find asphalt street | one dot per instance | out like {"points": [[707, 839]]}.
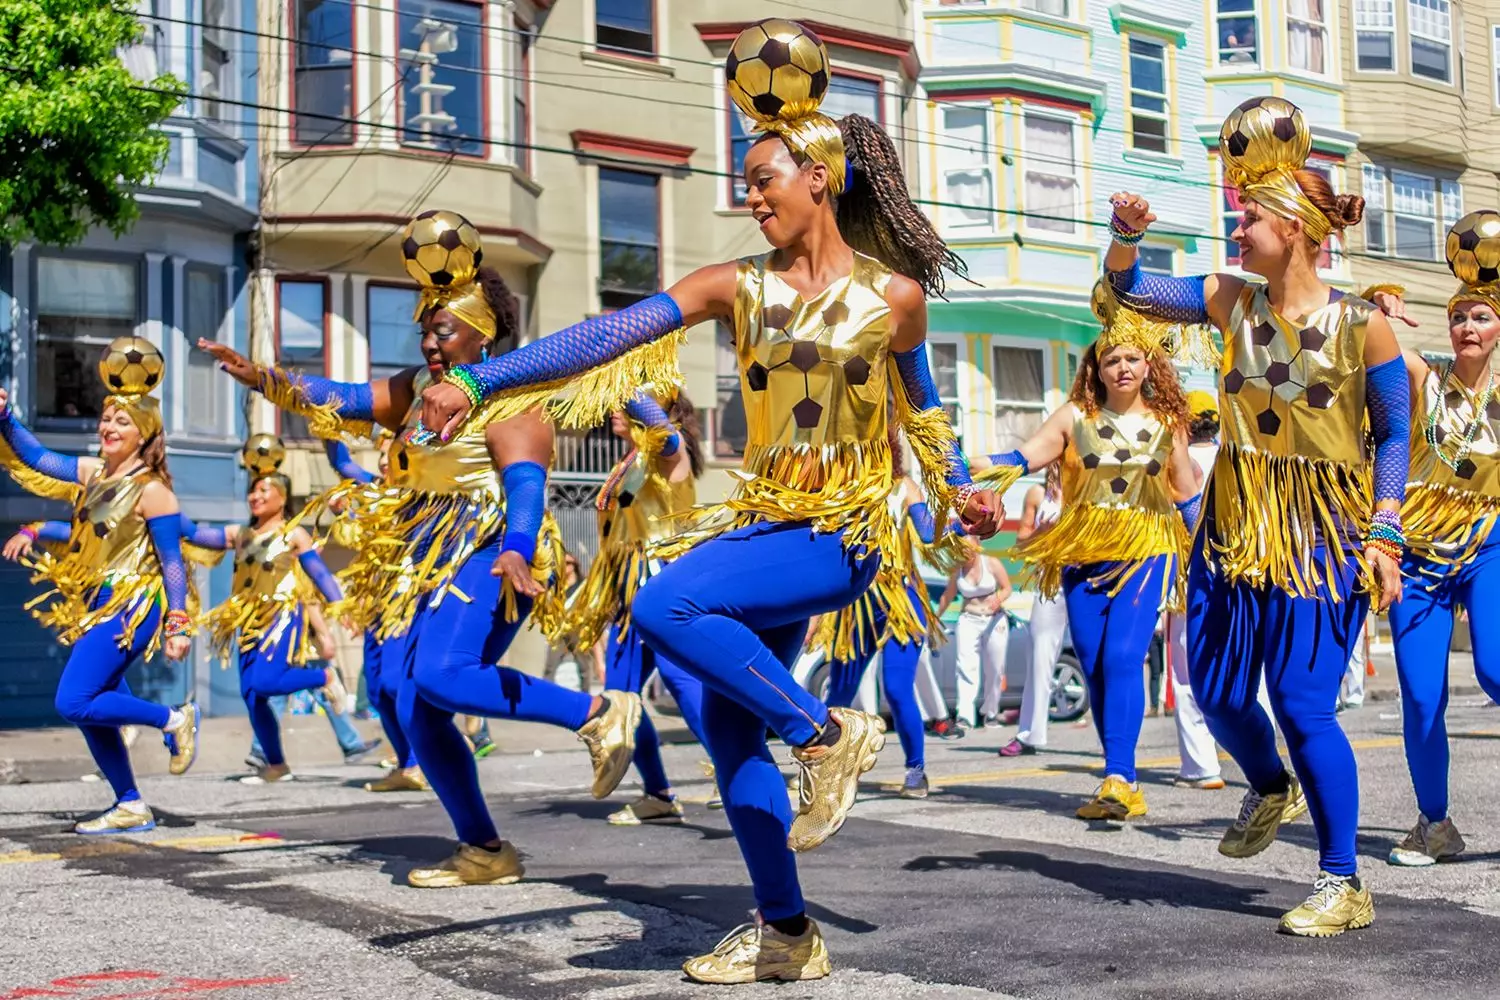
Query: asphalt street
{"points": [[988, 888]]}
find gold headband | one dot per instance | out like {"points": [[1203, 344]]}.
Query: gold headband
{"points": [[1261, 143], [466, 301], [142, 410], [816, 137], [1488, 294], [1124, 327]]}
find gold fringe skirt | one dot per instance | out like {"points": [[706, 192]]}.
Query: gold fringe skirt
{"points": [[1446, 526], [1125, 537], [255, 621], [79, 600]]}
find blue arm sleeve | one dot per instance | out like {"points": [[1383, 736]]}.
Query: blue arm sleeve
{"points": [[1013, 457], [322, 577], [579, 348], [54, 531], [344, 464], [1176, 300], [916, 378], [205, 535], [35, 455], [1190, 509], [354, 400], [648, 413], [921, 519], [525, 503], [166, 536], [1388, 398]]}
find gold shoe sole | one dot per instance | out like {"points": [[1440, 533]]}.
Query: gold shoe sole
{"points": [[1108, 809], [616, 774], [874, 742], [457, 882], [784, 974], [1364, 918]]}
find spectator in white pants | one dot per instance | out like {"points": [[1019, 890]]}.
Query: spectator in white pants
{"points": [[1352, 690], [982, 633], [1200, 755], [1048, 625]]}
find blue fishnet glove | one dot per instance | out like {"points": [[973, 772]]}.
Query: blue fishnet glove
{"points": [[921, 391], [1013, 457], [166, 536], [344, 464], [33, 454], [648, 413], [355, 400], [1388, 398], [54, 531], [525, 503], [322, 577], [1190, 509], [204, 535], [580, 348], [1176, 300], [921, 519]]}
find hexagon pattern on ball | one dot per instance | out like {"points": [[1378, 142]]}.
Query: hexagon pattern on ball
{"points": [[262, 454], [440, 248], [131, 366], [1473, 248], [776, 69], [1262, 132]]}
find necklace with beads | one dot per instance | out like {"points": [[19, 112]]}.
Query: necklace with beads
{"points": [[1470, 432]]}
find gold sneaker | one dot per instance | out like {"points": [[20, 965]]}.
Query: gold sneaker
{"points": [[271, 774], [335, 692], [1334, 907], [1261, 816], [182, 741], [757, 951], [648, 809], [1427, 844], [1116, 799], [828, 777], [471, 866], [118, 820], [611, 740], [1296, 803], [716, 800], [400, 780]]}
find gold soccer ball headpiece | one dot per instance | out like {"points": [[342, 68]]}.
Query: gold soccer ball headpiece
{"points": [[263, 454], [441, 249]]}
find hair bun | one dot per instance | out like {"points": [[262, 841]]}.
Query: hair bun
{"points": [[1350, 209]]}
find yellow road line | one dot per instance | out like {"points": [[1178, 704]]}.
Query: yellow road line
{"points": [[93, 848]]}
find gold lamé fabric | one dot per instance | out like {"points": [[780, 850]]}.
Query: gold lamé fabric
{"points": [[266, 598], [1290, 489], [1117, 506], [108, 567], [1449, 512]]}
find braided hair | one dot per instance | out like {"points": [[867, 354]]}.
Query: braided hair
{"points": [[876, 215], [507, 311]]}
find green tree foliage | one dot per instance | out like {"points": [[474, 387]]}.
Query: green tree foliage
{"points": [[77, 130]]}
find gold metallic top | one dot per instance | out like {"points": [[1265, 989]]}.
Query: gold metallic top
{"points": [[269, 590], [1118, 460], [1450, 509], [460, 465], [265, 564]]}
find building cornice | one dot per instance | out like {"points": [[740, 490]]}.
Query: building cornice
{"points": [[903, 50], [651, 152]]}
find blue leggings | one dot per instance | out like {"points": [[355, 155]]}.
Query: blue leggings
{"points": [[733, 612], [1422, 626], [92, 695], [382, 684], [627, 667], [1236, 631], [1112, 636], [898, 678], [450, 666], [266, 673]]}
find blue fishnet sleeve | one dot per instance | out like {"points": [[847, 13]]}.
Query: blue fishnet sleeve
{"points": [[1190, 509], [1013, 457], [33, 454], [921, 391], [353, 401], [322, 577], [1176, 300], [525, 504], [921, 519], [344, 464], [53, 531], [166, 536], [203, 535], [579, 348], [1388, 398], [648, 413]]}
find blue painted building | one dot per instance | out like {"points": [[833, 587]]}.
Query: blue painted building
{"points": [[180, 273]]}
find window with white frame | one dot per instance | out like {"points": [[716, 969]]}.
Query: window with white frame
{"points": [[944, 356], [204, 306], [1156, 259], [1150, 111], [729, 427], [1495, 59], [964, 155], [1451, 194], [215, 62], [81, 305], [1051, 185], [395, 337], [1307, 35], [1375, 35], [1415, 215], [441, 61], [1373, 186], [1057, 8], [1236, 26], [1019, 379], [1431, 25]]}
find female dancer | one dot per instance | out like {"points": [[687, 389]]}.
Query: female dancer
{"points": [[119, 586], [653, 482], [821, 326], [1453, 551], [451, 564], [264, 621], [1116, 552], [1289, 553], [982, 634]]}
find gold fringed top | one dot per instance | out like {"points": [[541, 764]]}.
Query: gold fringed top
{"points": [[108, 568], [1117, 507], [635, 506], [1293, 472], [266, 598], [35, 482], [285, 391], [1453, 492]]}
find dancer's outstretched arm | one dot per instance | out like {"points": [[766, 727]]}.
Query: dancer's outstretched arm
{"points": [[32, 464], [344, 464], [1200, 299]]}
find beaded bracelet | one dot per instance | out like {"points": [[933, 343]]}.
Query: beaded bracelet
{"points": [[178, 623], [1389, 548], [467, 382], [32, 530], [1124, 234]]}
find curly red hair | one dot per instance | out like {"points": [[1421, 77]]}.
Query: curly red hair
{"points": [[1165, 397]]}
